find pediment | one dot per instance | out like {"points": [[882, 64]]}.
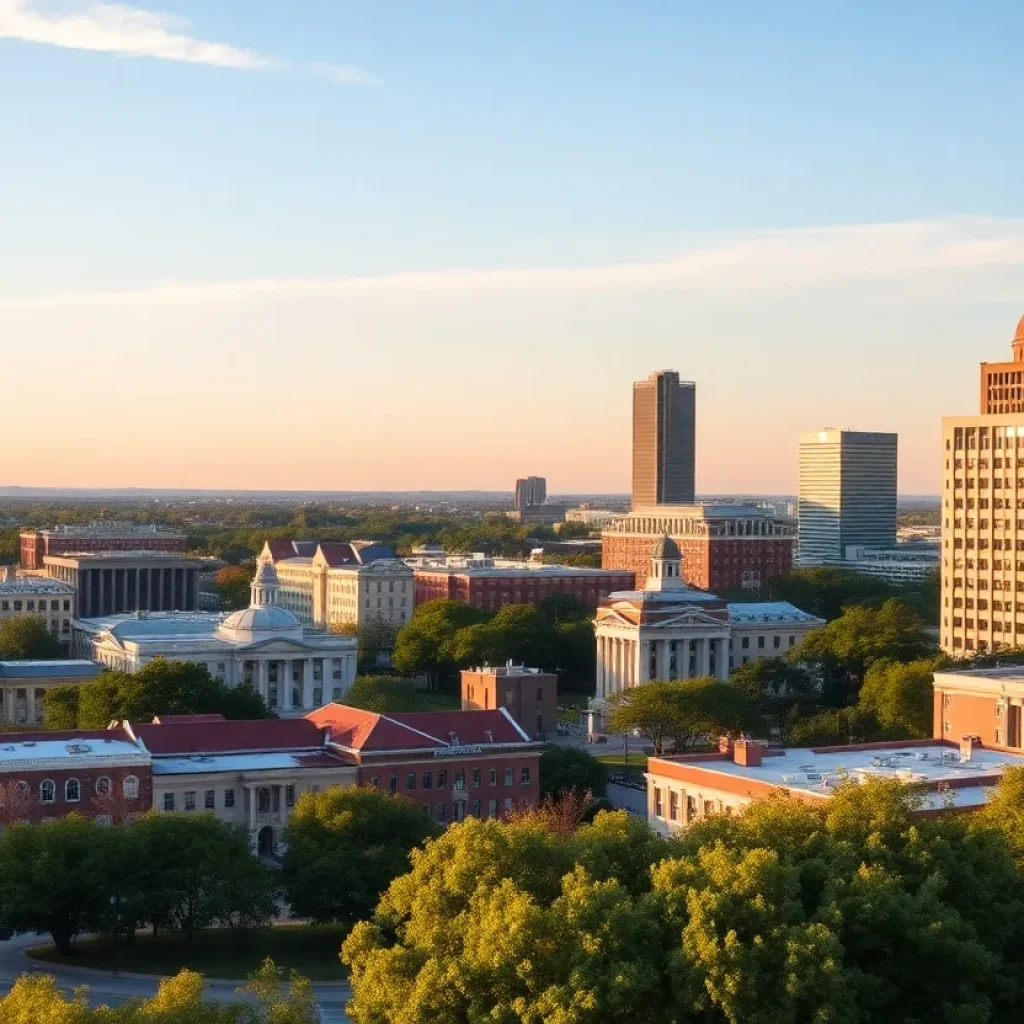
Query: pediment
{"points": [[690, 617], [612, 617]]}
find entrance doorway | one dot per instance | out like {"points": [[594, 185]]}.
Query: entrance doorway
{"points": [[265, 841]]}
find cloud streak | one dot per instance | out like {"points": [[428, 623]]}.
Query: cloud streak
{"points": [[136, 32], [781, 262]]}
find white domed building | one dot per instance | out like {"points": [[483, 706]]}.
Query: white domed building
{"points": [[263, 646]]}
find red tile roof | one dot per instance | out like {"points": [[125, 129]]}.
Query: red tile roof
{"points": [[224, 737], [337, 553], [186, 719], [369, 732], [114, 733]]}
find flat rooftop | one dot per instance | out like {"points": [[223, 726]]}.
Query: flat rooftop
{"points": [[272, 760], [35, 585], [68, 752], [175, 557], [818, 771]]}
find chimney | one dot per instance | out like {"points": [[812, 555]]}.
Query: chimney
{"points": [[748, 753], [725, 744], [10, 574], [967, 745]]}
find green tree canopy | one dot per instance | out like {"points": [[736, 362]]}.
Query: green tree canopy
{"points": [[844, 649], [569, 769], [682, 711], [382, 694], [344, 847], [160, 688], [827, 591], [424, 643], [233, 584], [26, 637], [900, 697]]}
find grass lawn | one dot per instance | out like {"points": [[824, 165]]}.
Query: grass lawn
{"points": [[435, 700], [617, 763], [311, 949]]}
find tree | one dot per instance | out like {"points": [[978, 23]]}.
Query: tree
{"points": [[571, 770], [900, 697], [844, 649], [344, 847], [161, 687], [565, 608], [53, 878], [777, 685], [233, 584], [382, 694], [424, 643], [25, 637], [827, 591], [60, 707], [377, 637], [681, 712]]}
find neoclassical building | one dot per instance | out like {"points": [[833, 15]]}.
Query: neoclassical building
{"points": [[263, 646], [668, 631]]}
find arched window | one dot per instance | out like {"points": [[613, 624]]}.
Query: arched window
{"points": [[47, 791], [263, 800], [72, 791], [103, 785], [21, 789], [130, 787]]}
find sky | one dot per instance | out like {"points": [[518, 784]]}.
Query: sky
{"points": [[356, 244]]}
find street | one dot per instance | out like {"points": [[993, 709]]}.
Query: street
{"points": [[105, 988]]}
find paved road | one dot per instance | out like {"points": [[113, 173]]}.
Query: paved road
{"points": [[105, 988]]}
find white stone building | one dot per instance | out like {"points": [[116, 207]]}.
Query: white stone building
{"points": [[334, 584], [51, 600], [668, 631], [263, 646]]}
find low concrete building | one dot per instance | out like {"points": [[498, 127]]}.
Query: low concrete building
{"points": [[263, 646], [688, 788], [119, 582], [529, 695], [23, 685], [50, 600]]}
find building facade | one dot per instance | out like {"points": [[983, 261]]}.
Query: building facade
{"points": [[847, 493], [595, 518], [119, 582], [530, 490], [99, 773], [264, 647], [454, 764], [52, 601], [24, 684], [93, 537], [489, 583], [327, 585], [985, 703], [664, 440], [1002, 384], [723, 547], [529, 695], [669, 631]]}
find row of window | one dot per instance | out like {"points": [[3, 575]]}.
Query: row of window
{"points": [[73, 789], [267, 799], [30, 605], [459, 809], [691, 812], [458, 779]]}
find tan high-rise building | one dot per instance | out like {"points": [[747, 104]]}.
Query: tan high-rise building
{"points": [[664, 429], [983, 516]]}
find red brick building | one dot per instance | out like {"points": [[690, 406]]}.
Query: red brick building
{"points": [[93, 537], [100, 773], [489, 583], [723, 547], [987, 704], [452, 763], [529, 695]]}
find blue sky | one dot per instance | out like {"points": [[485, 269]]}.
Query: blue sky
{"points": [[418, 146]]}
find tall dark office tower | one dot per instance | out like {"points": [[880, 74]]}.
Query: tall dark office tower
{"points": [[530, 490], [664, 428]]}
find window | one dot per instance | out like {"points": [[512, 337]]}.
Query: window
{"points": [[72, 791], [190, 800], [459, 781], [673, 805], [262, 800], [476, 809], [509, 777], [47, 791], [440, 812], [658, 809], [410, 780], [745, 642], [103, 785], [524, 775], [375, 782], [493, 776], [492, 808], [209, 799], [289, 796], [776, 642], [393, 784], [760, 641], [474, 778], [442, 780], [229, 798], [428, 780], [168, 801]]}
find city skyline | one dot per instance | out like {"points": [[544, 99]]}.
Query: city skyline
{"points": [[301, 250]]}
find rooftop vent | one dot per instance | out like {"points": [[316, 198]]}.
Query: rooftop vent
{"points": [[453, 739], [488, 735]]}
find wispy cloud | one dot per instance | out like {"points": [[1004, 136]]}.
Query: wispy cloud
{"points": [[961, 250], [136, 32]]}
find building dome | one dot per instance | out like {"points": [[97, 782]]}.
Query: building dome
{"points": [[1019, 336], [261, 618], [666, 548]]}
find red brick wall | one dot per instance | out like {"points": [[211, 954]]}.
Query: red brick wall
{"points": [[382, 769], [969, 715], [491, 691], [491, 592], [34, 810]]}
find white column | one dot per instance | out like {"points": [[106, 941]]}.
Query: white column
{"points": [[644, 673], [722, 658], [30, 704], [683, 658], [599, 669], [288, 703], [617, 661], [704, 656], [661, 659], [307, 683]]}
